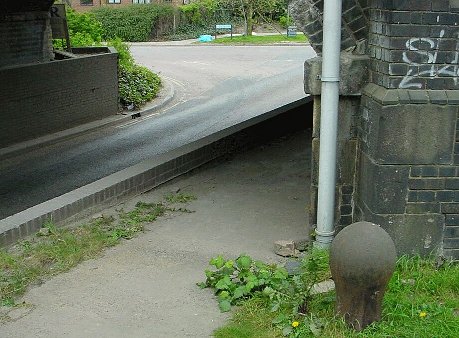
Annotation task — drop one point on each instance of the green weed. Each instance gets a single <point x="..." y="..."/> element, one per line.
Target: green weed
<point x="422" y="300"/>
<point x="179" y="198"/>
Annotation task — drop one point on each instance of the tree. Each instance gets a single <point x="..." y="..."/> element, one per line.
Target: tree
<point x="252" y="9"/>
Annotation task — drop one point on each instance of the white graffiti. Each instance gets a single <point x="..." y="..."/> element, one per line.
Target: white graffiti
<point x="425" y="52"/>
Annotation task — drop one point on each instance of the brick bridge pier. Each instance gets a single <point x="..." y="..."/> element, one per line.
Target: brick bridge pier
<point x="398" y="142"/>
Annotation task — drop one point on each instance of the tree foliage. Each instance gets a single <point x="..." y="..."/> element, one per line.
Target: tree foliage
<point x="84" y="29"/>
<point x="253" y="10"/>
<point x="202" y="15"/>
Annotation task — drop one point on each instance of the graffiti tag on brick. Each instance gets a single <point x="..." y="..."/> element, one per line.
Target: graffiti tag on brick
<point x="424" y="51"/>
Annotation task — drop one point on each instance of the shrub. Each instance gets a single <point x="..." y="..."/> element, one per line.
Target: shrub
<point x="84" y="29"/>
<point x="134" y="22"/>
<point x="125" y="58"/>
<point x="200" y="17"/>
<point x="137" y="85"/>
<point x="84" y="24"/>
<point x="284" y="21"/>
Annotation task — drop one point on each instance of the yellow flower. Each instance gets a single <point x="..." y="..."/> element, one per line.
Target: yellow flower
<point x="295" y="324"/>
<point x="422" y="314"/>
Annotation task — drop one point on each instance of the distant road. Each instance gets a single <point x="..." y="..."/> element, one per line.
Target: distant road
<point x="216" y="87"/>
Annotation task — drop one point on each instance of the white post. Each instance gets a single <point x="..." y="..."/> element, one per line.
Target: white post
<point x="328" y="122"/>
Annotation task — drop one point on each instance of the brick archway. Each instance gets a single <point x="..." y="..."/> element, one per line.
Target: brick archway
<point x="308" y="15"/>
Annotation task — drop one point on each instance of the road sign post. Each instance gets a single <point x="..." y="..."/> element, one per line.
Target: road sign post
<point x="225" y="26"/>
<point x="58" y="21"/>
<point x="291" y="31"/>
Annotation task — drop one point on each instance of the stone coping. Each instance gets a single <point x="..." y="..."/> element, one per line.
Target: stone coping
<point x="389" y="97"/>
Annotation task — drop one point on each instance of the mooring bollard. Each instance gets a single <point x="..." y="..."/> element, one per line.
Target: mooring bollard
<point x="362" y="260"/>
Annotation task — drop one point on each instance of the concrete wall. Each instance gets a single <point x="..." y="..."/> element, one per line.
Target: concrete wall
<point x="38" y="99"/>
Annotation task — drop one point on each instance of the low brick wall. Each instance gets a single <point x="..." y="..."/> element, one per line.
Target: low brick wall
<point x="39" y="99"/>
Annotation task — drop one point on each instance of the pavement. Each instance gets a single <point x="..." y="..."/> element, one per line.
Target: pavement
<point x="145" y="287"/>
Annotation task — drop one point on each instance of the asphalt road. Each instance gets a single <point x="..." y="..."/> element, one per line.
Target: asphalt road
<point x="216" y="87"/>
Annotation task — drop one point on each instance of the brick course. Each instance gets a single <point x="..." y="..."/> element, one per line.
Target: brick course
<point x="414" y="45"/>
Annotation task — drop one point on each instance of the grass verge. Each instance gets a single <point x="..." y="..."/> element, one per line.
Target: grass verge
<point x="259" y="39"/>
<point x="422" y="300"/>
<point x="56" y="250"/>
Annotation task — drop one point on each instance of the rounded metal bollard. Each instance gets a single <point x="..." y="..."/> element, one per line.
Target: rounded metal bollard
<point x="362" y="260"/>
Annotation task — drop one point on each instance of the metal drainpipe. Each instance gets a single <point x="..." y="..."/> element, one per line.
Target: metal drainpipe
<point x="328" y="122"/>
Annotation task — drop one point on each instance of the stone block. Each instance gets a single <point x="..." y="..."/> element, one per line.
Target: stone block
<point x="315" y="161"/>
<point x="413" y="234"/>
<point x="427" y="184"/>
<point x="383" y="188"/>
<point x="316" y="117"/>
<point x="452" y="220"/>
<point x="346" y="162"/>
<point x="450" y="208"/>
<point x="451" y="253"/>
<point x="451" y="243"/>
<point x="411" y="134"/>
<point x="423" y="208"/>
<point x="353" y="74"/>
<point x="285" y="248"/>
<point x="348" y="110"/>
<point x="451" y="232"/>
<point x="447" y="171"/>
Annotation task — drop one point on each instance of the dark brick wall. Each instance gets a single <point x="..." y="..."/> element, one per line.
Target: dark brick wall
<point x="308" y="15"/>
<point x="407" y="175"/>
<point x="414" y="44"/>
<point x="39" y="99"/>
<point x="25" y="38"/>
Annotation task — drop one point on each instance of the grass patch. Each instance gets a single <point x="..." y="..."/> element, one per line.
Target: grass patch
<point x="422" y="300"/>
<point x="252" y="320"/>
<point x="55" y="250"/>
<point x="259" y="39"/>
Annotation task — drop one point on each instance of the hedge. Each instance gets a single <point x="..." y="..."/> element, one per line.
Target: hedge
<point x="134" y="22"/>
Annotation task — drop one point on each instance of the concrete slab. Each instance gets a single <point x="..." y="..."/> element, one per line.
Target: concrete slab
<point x="145" y="287"/>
